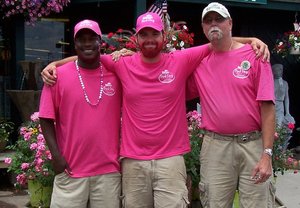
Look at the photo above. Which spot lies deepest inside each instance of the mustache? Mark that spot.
(214, 29)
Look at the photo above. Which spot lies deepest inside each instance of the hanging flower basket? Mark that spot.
(288, 43)
(31, 10)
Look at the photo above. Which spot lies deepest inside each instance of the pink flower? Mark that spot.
(23, 130)
(290, 160)
(48, 154)
(21, 179)
(7, 160)
(33, 146)
(25, 166)
(276, 135)
(40, 138)
(38, 169)
(35, 116)
(27, 136)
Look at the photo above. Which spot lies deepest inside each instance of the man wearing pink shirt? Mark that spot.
(237, 100)
(75, 115)
(154, 126)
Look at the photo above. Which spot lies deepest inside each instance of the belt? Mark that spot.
(243, 138)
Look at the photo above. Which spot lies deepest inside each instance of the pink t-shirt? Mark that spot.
(87, 136)
(231, 84)
(154, 117)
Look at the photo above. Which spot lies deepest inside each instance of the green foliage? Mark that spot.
(192, 160)
(6, 128)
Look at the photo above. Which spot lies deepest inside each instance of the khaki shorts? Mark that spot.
(101, 191)
(154, 183)
(226, 165)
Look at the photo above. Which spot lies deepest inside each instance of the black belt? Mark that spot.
(250, 136)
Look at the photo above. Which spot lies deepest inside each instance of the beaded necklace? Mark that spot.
(83, 87)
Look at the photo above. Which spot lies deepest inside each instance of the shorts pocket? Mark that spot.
(203, 194)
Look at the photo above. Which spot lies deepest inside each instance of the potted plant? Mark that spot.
(6, 128)
(32, 163)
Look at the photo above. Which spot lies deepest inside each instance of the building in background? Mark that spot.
(51, 39)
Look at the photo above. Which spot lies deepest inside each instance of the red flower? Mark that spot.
(291, 126)
(109, 35)
(120, 30)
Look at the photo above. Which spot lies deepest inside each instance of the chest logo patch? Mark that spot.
(242, 71)
(166, 77)
(108, 89)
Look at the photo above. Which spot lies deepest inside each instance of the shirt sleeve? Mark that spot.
(264, 82)
(47, 106)
(194, 56)
(108, 63)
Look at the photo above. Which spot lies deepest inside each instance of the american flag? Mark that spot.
(159, 7)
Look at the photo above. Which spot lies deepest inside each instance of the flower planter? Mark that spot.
(40, 196)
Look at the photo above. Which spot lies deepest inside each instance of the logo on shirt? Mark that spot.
(242, 71)
(166, 77)
(108, 89)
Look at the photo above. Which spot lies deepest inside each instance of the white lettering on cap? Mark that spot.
(148, 18)
(86, 23)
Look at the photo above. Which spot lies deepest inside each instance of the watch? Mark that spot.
(268, 151)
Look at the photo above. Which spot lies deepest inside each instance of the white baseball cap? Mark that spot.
(216, 7)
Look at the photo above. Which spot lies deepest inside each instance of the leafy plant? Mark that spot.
(32, 158)
(196, 134)
(282, 158)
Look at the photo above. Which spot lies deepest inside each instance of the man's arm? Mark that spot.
(48, 128)
(260, 48)
(49, 72)
(263, 169)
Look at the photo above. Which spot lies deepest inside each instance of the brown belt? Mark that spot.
(251, 136)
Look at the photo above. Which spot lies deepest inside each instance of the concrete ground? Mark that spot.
(287, 185)
(288, 189)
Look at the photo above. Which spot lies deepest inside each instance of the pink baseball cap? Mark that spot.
(151, 20)
(87, 24)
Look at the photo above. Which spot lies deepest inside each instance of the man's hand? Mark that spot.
(49, 74)
(262, 170)
(123, 52)
(261, 49)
